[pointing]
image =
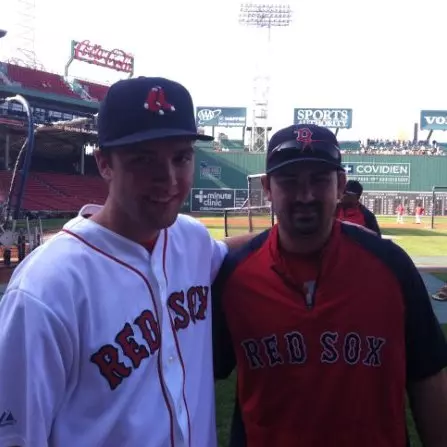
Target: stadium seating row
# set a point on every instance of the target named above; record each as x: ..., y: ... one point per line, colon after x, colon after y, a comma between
x: 56, y: 192
x: 45, y: 82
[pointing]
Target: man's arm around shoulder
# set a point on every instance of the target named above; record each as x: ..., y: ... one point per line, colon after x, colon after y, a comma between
x: 234, y: 242
x: 223, y: 353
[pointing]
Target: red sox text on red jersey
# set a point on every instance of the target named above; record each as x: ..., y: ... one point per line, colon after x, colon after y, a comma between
x: 186, y: 308
x: 291, y: 348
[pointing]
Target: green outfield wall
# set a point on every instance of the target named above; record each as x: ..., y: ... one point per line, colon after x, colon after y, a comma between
x: 376, y: 173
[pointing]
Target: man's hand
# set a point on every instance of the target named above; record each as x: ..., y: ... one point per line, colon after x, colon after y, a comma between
x: 428, y: 400
x: 237, y: 241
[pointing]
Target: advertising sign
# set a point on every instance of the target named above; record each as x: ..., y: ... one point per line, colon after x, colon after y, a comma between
x: 433, y: 120
x: 379, y: 173
x: 95, y: 54
x: 217, y: 199
x: 331, y: 118
x: 211, y: 199
x: 221, y: 116
x: 210, y: 172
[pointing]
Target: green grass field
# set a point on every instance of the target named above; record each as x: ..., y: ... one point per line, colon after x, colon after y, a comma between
x: 417, y: 240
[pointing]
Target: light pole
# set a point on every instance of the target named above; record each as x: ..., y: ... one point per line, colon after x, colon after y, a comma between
x: 267, y: 16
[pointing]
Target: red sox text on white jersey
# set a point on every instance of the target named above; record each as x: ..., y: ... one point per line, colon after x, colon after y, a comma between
x: 112, y: 344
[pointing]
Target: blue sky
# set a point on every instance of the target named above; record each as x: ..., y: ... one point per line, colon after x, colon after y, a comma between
x: 384, y: 59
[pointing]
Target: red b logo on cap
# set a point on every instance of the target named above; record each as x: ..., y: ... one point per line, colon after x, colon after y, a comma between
x: 156, y: 101
x: 304, y: 135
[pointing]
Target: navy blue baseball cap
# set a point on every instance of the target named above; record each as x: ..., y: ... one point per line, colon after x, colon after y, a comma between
x: 144, y: 109
x: 353, y: 188
x: 303, y: 142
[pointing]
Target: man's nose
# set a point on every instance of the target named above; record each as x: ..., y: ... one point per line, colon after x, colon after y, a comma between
x: 165, y: 173
x: 304, y: 193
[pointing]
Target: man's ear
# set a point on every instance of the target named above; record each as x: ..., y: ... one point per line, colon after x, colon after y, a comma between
x: 104, y: 163
x: 265, y: 182
x: 341, y: 184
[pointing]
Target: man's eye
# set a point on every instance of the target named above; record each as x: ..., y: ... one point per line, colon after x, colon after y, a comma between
x: 183, y: 159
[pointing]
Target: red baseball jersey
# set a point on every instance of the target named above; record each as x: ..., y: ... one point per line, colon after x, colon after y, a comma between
x: 324, y: 344
x: 359, y: 215
x: 419, y: 211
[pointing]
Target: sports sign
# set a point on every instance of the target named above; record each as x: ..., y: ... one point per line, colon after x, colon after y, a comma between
x: 95, y: 54
x: 379, y: 173
x: 433, y: 120
x: 221, y: 116
x: 331, y: 118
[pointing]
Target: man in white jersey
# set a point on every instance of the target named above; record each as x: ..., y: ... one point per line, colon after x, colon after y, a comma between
x: 105, y: 336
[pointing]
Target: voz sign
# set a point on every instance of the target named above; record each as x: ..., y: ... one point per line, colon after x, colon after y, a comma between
x: 379, y: 173
x: 433, y: 120
x: 221, y: 116
x: 203, y: 199
x: 331, y: 118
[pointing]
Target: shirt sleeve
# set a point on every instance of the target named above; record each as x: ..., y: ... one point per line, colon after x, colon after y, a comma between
x: 35, y: 360
x: 218, y: 252
x: 425, y: 342
x: 224, y: 359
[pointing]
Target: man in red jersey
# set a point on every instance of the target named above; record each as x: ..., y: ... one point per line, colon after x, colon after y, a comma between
x: 324, y: 358
x: 350, y: 209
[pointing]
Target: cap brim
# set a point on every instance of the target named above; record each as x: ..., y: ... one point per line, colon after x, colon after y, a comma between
x: 155, y: 134
x: 299, y: 160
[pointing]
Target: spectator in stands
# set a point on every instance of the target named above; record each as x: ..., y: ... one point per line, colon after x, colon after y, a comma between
x: 399, y: 147
x: 350, y: 209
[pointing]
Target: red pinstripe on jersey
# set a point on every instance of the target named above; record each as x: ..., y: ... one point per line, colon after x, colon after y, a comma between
x: 177, y: 346
x: 151, y: 292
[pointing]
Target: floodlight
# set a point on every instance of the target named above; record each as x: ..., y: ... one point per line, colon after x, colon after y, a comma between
x: 265, y: 15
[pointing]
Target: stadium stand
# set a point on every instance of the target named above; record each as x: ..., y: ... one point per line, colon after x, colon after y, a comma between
x: 39, y: 80
x: 78, y: 189
x: 54, y: 192
x: 396, y: 147
x: 46, y: 82
x: 95, y: 91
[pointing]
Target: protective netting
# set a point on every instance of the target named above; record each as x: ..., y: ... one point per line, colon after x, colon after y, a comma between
x: 254, y: 216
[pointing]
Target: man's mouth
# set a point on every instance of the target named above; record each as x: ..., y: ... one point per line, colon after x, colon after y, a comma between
x: 161, y: 200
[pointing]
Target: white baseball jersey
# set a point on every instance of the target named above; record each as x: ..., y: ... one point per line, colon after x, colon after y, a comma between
x: 103, y: 344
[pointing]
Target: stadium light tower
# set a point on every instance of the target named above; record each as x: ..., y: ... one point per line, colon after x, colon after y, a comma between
x: 263, y: 16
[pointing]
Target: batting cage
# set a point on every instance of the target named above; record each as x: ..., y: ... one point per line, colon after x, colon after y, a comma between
x: 255, y: 215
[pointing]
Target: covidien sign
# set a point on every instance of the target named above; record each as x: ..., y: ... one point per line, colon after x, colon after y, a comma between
x: 379, y: 173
